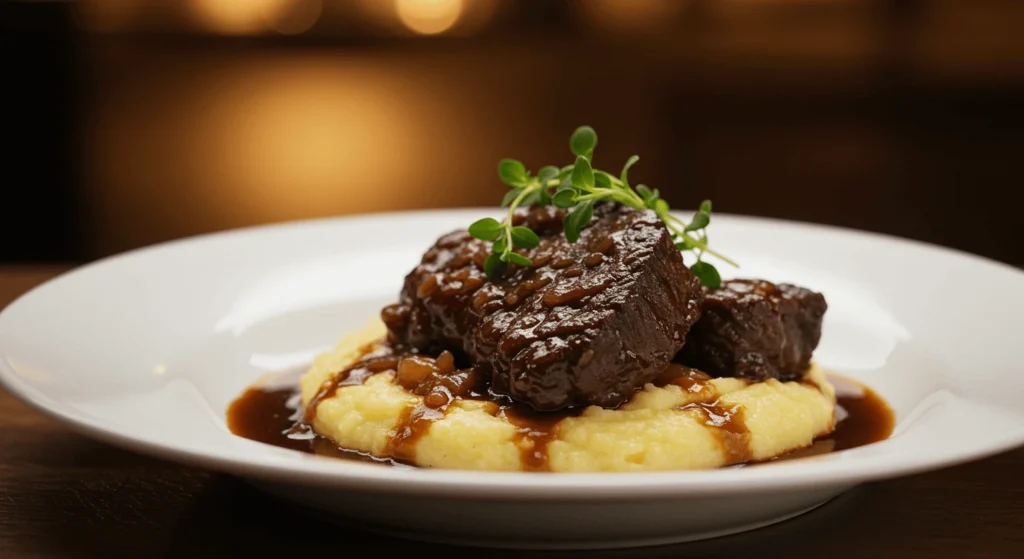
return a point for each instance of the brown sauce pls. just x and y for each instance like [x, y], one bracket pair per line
[690, 380]
[413, 424]
[372, 360]
[862, 418]
[272, 414]
[534, 432]
[731, 430]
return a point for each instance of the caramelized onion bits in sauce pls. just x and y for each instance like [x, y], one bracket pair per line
[273, 414]
[621, 288]
[439, 383]
[375, 358]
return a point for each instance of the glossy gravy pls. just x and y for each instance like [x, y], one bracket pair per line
[271, 413]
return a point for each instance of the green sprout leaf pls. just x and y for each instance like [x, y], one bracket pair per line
[578, 187]
[583, 141]
[707, 273]
[543, 197]
[531, 198]
[648, 195]
[511, 196]
[700, 220]
[524, 237]
[517, 258]
[547, 173]
[577, 219]
[583, 175]
[625, 169]
[564, 198]
[494, 267]
[512, 172]
[486, 229]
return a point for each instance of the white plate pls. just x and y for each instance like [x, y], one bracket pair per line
[146, 350]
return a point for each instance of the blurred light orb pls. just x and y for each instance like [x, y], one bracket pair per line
[230, 17]
[292, 17]
[429, 17]
[246, 17]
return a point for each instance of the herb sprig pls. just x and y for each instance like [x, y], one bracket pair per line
[579, 186]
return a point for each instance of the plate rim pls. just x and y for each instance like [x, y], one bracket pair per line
[530, 486]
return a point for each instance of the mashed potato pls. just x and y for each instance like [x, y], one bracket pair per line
[717, 423]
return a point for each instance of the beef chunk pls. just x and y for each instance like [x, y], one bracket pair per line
[587, 324]
[756, 330]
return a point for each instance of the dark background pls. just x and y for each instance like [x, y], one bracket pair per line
[129, 122]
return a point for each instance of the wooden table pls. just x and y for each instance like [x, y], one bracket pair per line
[63, 495]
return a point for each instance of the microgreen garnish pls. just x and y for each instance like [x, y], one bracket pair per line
[578, 187]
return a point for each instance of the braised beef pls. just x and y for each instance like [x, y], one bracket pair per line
[756, 330]
[587, 324]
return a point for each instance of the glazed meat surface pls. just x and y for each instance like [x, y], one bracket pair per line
[587, 324]
[756, 330]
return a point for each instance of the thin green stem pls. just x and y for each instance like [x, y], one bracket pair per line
[507, 234]
[602, 195]
[530, 189]
[667, 217]
[638, 202]
[674, 224]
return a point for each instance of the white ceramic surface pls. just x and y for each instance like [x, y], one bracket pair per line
[146, 350]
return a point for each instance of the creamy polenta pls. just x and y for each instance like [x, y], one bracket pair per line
[711, 424]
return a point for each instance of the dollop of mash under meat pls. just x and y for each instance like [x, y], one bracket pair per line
[695, 422]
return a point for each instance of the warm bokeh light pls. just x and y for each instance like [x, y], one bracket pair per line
[429, 17]
[241, 17]
[299, 140]
[289, 17]
[277, 138]
[176, 146]
[231, 16]
[293, 17]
